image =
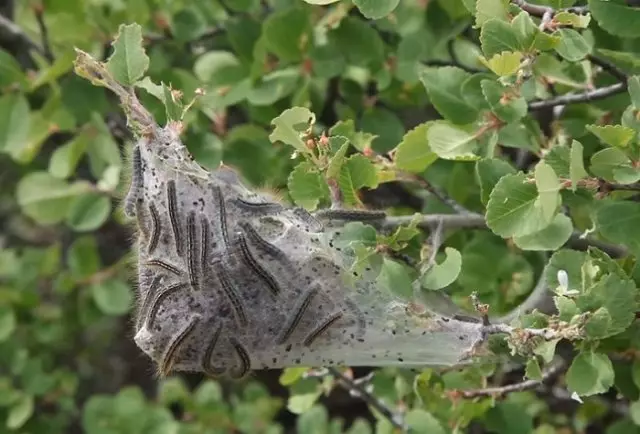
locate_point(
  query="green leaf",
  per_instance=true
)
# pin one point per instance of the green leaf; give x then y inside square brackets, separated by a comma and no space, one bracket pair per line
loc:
[576,166]
[385,125]
[598,324]
[128,62]
[444,86]
[619,222]
[613,135]
[286,33]
[567,308]
[609,163]
[376,9]
[548,186]
[504,64]
[513,208]
[290,126]
[634,411]
[615,17]
[532,370]
[20,412]
[617,295]
[423,422]
[7,322]
[301,403]
[572,46]
[546,350]
[508,107]
[359,42]
[88,212]
[633,86]
[489,172]
[10,72]
[497,36]
[290,376]
[363,172]
[444,274]
[83,257]
[112,296]
[46,199]
[573,20]
[488,9]
[394,277]
[413,154]
[450,142]
[338,159]
[66,157]
[307,186]
[590,374]
[550,238]
[14,122]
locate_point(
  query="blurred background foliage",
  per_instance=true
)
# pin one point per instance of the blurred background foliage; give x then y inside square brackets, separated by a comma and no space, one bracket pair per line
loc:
[67,360]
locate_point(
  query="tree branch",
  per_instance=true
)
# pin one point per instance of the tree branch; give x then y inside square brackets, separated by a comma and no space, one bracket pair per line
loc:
[518,387]
[11,31]
[577,98]
[396,418]
[44,34]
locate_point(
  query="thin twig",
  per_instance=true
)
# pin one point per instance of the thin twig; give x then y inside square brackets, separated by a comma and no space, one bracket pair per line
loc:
[10,30]
[396,418]
[608,67]
[44,33]
[554,370]
[539,10]
[577,98]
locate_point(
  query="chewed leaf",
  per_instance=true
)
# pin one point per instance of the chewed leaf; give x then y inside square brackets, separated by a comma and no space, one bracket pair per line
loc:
[444,274]
[129,61]
[503,64]
[590,373]
[290,126]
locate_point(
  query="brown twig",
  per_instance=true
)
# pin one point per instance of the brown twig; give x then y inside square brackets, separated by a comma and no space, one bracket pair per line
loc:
[38,10]
[510,388]
[396,418]
[577,98]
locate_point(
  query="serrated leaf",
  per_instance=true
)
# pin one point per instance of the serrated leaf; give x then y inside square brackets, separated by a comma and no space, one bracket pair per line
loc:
[376,9]
[572,46]
[46,199]
[589,374]
[307,186]
[548,186]
[88,212]
[450,142]
[445,273]
[507,106]
[613,135]
[444,86]
[290,125]
[503,64]
[497,36]
[488,9]
[394,277]
[413,154]
[112,296]
[576,165]
[633,86]
[512,209]
[550,238]
[129,61]
[616,17]
[489,172]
